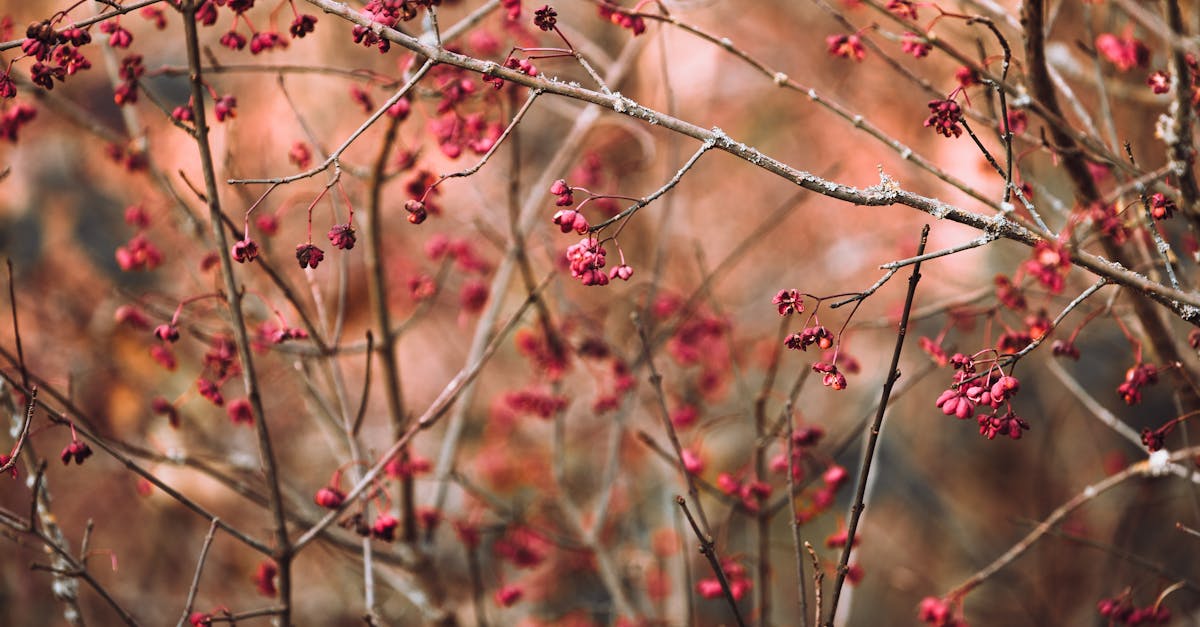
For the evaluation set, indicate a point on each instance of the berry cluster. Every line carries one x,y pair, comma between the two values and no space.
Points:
789,302
971,391
1120,610
735,575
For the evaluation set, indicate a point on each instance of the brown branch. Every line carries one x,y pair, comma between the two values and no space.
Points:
282,553
708,549
1184,304
1086,193
856,509
1181,150
1151,467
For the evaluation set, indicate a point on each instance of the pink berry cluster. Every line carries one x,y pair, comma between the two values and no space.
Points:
939,613
139,253
77,450
387,13
903,9
1049,265
751,492
270,333
915,45
1125,51
535,401
219,363
789,302
56,53
624,18
846,46
586,259
804,439
1161,206
260,40
1160,80
735,575
1138,376
992,390
1119,610
382,527
945,116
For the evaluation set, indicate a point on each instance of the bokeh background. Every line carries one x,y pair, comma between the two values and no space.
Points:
943,501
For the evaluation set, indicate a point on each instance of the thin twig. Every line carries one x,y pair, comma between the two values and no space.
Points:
793,522
818,579
12,301
337,153
709,550
873,435
191,597
282,553
1141,468
665,416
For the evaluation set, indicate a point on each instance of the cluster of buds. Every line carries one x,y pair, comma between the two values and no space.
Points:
735,575
412,465
903,9
1137,376
267,40
508,595
244,250
970,392
938,613
1159,82
915,45
302,25
342,236
167,332
56,55
14,117
224,107
1120,611
387,13
1065,348
564,192
750,493
210,390
623,18
138,254
789,302
1156,439
417,213
587,260
521,547
331,496
130,71
545,18
536,402
309,255
240,412
803,439
846,46
1049,265
524,66
945,117
270,333
831,377
1161,206
808,336
384,527
77,450
1126,52
571,220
